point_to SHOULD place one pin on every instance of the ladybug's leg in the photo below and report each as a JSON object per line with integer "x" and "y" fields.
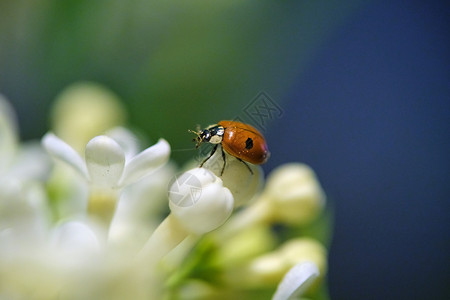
{"x": 224, "y": 161}
{"x": 248, "y": 167}
{"x": 211, "y": 154}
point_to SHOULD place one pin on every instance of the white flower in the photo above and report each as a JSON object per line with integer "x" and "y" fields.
{"x": 199, "y": 203}
{"x": 105, "y": 164}
{"x": 106, "y": 168}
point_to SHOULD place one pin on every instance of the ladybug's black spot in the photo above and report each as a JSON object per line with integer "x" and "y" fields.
{"x": 249, "y": 144}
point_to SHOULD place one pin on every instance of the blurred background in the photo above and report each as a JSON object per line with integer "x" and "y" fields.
{"x": 359, "y": 90}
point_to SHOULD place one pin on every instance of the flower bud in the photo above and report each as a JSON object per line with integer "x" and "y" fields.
{"x": 75, "y": 237}
{"x": 199, "y": 201}
{"x": 268, "y": 269}
{"x": 244, "y": 183}
{"x": 295, "y": 194}
{"x": 85, "y": 110}
{"x": 305, "y": 249}
{"x": 245, "y": 244}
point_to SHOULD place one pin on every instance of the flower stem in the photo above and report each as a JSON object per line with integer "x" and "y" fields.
{"x": 102, "y": 204}
{"x": 166, "y": 237}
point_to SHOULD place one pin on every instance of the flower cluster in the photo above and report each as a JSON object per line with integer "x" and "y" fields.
{"x": 87, "y": 213}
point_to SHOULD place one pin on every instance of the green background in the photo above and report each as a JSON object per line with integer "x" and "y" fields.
{"x": 175, "y": 64}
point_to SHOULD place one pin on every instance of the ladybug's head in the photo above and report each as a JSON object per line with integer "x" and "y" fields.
{"x": 213, "y": 134}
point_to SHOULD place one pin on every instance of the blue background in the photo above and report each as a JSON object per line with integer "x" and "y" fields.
{"x": 371, "y": 116}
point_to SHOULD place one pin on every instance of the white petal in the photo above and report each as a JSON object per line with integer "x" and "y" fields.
{"x": 105, "y": 161}
{"x": 145, "y": 162}
{"x": 296, "y": 281}
{"x": 62, "y": 151}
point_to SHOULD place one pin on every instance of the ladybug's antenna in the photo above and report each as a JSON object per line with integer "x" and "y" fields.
{"x": 185, "y": 149}
{"x": 199, "y": 138}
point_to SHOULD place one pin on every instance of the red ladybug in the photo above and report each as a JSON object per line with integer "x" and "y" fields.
{"x": 240, "y": 140}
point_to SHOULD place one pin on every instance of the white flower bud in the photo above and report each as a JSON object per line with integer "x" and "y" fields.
{"x": 245, "y": 244}
{"x": 199, "y": 201}
{"x": 295, "y": 194}
{"x": 268, "y": 269}
{"x": 85, "y": 110}
{"x": 243, "y": 183}
{"x": 75, "y": 237}
{"x": 305, "y": 249}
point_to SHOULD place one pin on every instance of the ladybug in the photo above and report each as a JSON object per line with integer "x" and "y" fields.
{"x": 240, "y": 140}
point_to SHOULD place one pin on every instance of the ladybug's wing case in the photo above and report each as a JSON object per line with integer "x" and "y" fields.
{"x": 245, "y": 142}
{"x": 236, "y": 124}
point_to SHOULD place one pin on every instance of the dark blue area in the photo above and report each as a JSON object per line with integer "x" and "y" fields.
{"x": 371, "y": 115}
